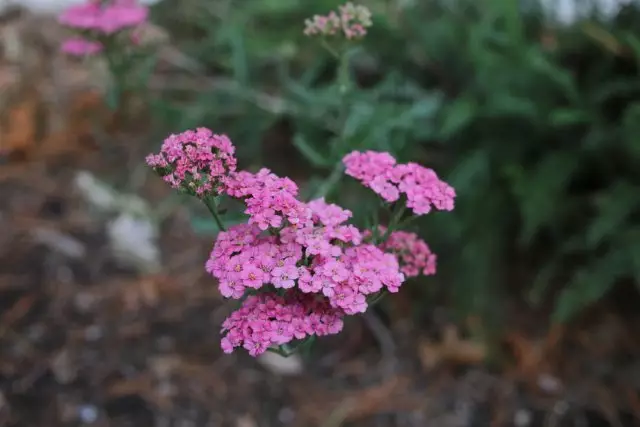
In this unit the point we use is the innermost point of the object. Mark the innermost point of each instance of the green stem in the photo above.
(211, 205)
(344, 78)
(407, 221)
(376, 299)
(344, 85)
(329, 48)
(330, 182)
(395, 221)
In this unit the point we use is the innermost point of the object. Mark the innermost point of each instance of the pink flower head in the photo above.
(123, 14)
(321, 257)
(354, 20)
(197, 161)
(328, 214)
(421, 186)
(104, 18)
(424, 189)
(350, 21)
(78, 46)
(412, 252)
(271, 201)
(266, 320)
(284, 277)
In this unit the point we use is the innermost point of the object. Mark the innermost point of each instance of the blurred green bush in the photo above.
(537, 127)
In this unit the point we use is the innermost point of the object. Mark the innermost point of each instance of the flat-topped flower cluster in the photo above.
(196, 161)
(298, 267)
(97, 19)
(421, 186)
(350, 21)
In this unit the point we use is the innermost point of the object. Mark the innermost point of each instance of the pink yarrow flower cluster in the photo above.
(421, 186)
(298, 267)
(77, 46)
(350, 20)
(268, 319)
(324, 257)
(197, 161)
(270, 200)
(99, 18)
(413, 253)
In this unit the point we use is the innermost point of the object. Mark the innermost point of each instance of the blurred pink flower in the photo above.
(351, 21)
(109, 18)
(80, 47)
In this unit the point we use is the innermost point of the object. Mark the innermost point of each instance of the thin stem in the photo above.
(395, 221)
(344, 78)
(210, 204)
(376, 299)
(407, 221)
(344, 85)
(330, 182)
(329, 48)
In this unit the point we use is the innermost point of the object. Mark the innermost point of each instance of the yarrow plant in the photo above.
(109, 28)
(99, 21)
(298, 268)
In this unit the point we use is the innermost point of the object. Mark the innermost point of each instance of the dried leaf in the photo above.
(452, 349)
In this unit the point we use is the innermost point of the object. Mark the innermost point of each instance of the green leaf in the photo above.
(567, 117)
(309, 152)
(590, 283)
(541, 191)
(239, 58)
(614, 207)
(634, 43)
(622, 87)
(506, 104)
(552, 266)
(539, 62)
(359, 117)
(631, 129)
(471, 169)
(457, 115)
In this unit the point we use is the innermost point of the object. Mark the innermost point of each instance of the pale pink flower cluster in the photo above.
(421, 186)
(197, 161)
(267, 319)
(99, 18)
(350, 20)
(413, 253)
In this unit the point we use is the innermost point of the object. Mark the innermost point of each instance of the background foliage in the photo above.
(536, 125)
